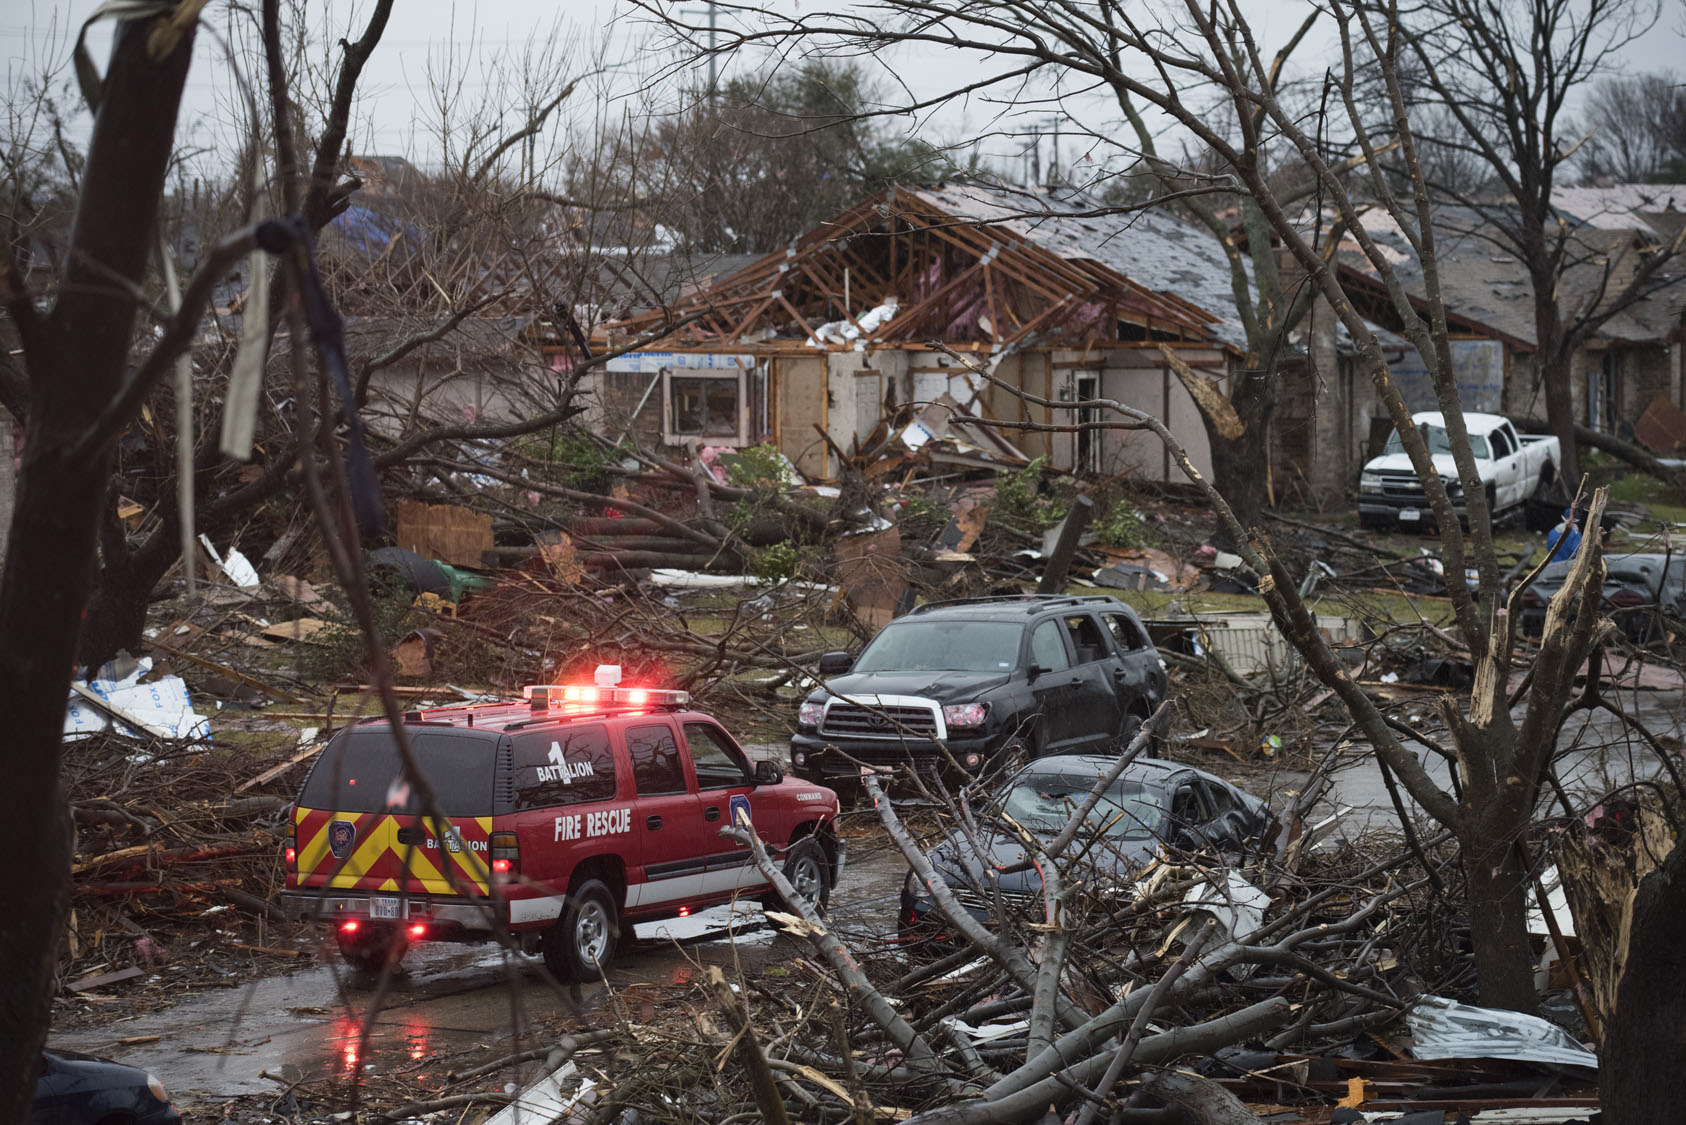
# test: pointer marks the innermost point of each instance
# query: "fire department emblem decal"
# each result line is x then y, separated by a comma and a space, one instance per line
341, 835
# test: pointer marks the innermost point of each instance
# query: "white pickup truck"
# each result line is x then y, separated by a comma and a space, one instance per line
1516, 470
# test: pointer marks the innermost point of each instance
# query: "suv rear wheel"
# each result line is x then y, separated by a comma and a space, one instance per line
809, 873
370, 948
582, 942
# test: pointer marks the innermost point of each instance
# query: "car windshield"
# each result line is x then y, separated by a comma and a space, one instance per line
943, 646
1043, 803
1440, 442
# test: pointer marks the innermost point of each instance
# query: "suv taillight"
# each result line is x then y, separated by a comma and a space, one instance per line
292, 850
1627, 599
506, 857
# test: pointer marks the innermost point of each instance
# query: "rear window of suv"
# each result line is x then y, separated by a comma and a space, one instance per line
360, 773
943, 646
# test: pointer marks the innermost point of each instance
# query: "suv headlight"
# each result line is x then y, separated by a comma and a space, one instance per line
157, 1088
810, 714
1369, 482
965, 714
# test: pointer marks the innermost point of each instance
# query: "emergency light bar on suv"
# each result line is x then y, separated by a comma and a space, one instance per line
606, 690
541, 696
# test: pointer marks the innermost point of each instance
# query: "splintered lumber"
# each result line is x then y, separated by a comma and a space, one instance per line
116, 976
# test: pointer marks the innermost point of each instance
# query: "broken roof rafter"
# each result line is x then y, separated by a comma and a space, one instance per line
898, 244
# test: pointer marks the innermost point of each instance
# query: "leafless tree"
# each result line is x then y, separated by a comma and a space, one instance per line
1168, 67
99, 331
483, 252
761, 159
1504, 75
1635, 129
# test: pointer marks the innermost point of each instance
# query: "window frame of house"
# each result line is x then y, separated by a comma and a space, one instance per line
1604, 392
737, 376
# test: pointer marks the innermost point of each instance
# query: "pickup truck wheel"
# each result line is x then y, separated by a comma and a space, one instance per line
809, 873
582, 943
371, 947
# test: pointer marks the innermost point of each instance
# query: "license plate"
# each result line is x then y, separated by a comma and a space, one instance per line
1409, 515
383, 907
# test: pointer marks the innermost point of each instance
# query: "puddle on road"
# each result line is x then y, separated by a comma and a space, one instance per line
446, 1001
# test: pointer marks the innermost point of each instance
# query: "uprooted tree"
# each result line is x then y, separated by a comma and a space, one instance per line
1500, 763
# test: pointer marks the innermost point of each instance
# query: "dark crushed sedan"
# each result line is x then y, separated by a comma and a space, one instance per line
73, 1089
1639, 589
1152, 804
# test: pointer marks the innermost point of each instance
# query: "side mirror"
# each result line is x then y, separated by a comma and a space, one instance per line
835, 663
768, 773
1034, 671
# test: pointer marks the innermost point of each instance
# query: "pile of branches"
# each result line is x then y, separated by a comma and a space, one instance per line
1078, 1000
175, 861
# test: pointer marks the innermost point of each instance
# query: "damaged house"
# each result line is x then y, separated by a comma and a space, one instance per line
1329, 419
833, 346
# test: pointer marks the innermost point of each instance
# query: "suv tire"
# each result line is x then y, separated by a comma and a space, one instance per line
809, 872
372, 947
581, 945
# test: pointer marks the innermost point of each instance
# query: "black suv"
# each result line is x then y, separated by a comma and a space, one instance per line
1048, 674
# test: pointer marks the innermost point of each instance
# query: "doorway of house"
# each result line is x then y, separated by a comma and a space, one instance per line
1088, 459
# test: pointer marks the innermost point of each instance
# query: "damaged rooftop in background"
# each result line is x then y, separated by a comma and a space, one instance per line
839, 341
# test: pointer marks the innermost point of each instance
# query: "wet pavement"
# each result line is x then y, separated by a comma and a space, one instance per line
1597, 753
448, 999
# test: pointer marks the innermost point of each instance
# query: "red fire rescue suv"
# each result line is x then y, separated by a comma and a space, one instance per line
560, 819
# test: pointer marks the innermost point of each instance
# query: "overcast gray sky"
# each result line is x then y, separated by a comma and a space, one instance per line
483, 36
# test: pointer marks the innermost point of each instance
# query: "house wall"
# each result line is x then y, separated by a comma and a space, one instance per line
492, 391
1034, 372
1142, 379
802, 398
616, 404
1645, 370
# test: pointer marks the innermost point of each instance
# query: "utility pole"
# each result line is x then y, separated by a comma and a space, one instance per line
1054, 121
713, 12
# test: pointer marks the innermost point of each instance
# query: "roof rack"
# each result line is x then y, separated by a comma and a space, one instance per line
1029, 601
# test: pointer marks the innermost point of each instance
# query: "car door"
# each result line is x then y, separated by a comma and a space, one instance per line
1052, 681
672, 845
1508, 487
724, 790
1096, 715
1138, 676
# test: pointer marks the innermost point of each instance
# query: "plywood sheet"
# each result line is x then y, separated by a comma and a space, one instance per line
452, 534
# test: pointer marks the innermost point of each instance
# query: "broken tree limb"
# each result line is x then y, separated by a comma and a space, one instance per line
761, 1078
1206, 396
1198, 1100
1031, 1101
913, 1045
564, 1049
995, 946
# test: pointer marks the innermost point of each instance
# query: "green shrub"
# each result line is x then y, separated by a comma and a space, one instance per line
1122, 526
757, 466
1018, 503
776, 563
